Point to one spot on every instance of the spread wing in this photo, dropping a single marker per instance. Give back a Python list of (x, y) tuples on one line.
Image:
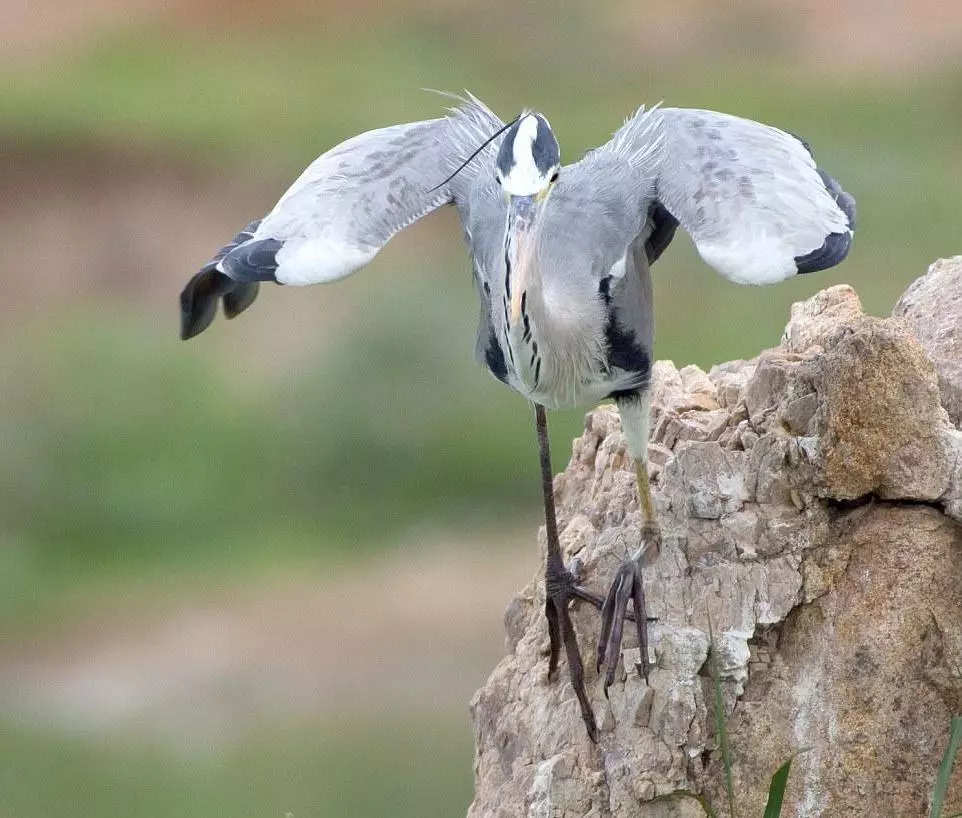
[(346, 206), (751, 196)]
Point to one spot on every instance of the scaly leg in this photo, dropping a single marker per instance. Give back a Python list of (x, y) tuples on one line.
[(560, 587), (627, 583)]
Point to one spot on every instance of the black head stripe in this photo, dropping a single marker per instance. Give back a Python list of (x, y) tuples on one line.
[(545, 150)]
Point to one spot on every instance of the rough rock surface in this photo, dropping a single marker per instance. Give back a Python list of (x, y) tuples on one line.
[(810, 502), (932, 307)]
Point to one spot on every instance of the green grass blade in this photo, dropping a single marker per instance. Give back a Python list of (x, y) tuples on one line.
[(720, 725), (702, 801), (945, 770), (776, 791)]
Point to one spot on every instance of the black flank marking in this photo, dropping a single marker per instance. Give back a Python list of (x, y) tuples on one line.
[(604, 289), (534, 347), (494, 358), (524, 301), (662, 232), (625, 395), (537, 373), (625, 352), (527, 330), (487, 288)]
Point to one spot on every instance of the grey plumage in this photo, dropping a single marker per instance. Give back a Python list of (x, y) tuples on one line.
[(561, 259), (750, 196)]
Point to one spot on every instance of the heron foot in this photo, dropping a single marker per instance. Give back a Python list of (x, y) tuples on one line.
[(560, 586), (627, 584)]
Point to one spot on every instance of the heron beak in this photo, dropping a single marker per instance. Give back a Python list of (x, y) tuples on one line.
[(523, 212)]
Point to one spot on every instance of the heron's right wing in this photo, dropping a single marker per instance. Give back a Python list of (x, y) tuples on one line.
[(750, 196)]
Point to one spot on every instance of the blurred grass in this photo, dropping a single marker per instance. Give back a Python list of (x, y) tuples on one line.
[(395, 766), (128, 454)]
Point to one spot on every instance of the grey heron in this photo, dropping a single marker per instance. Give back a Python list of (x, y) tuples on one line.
[(561, 258)]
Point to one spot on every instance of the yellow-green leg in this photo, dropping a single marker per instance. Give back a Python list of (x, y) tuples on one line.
[(628, 583)]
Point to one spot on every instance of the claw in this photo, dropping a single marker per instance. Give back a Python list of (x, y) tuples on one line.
[(613, 619), (607, 617), (554, 637), (627, 585), (638, 600), (560, 591)]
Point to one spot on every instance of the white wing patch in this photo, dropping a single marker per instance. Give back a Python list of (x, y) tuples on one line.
[(768, 261), (319, 261)]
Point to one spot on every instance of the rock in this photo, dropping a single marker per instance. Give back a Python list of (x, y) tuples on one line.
[(880, 422), (837, 607), (730, 379), (765, 387), (813, 321), (698, 389), (932, 307), (862, 676)]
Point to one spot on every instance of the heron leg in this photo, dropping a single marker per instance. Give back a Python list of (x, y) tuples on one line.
[(628, 582), (560, 587)]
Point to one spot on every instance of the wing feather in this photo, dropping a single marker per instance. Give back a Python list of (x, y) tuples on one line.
[(351, 200), (750, 195)]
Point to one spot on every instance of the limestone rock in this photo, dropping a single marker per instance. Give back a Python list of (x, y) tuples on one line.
[(932, 307), (880, 423), (836, 607), (815, 320)]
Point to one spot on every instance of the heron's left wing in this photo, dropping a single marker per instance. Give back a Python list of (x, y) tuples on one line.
[(346, 206), (751, 196), (353, 199)]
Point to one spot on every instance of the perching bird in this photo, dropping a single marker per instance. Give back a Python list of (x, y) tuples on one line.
[(561, 258)]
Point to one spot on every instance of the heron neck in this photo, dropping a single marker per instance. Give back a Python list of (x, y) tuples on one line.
[(522, 277)]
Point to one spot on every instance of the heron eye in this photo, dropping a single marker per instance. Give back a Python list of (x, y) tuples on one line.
[(554, 176)]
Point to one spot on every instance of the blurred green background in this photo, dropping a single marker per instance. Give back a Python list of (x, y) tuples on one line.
[(261, 573)]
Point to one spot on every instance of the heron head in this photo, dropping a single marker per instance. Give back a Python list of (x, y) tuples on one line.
[(529, 159)]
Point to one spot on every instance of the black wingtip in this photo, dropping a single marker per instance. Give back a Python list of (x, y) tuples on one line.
[(836, 246), (254, 260), (198, 302), (240, 298), (832, 252)]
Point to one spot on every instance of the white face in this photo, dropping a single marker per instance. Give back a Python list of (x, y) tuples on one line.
[(524, 178)]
